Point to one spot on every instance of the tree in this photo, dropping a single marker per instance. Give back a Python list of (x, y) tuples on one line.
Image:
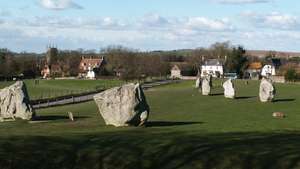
[(122, 59), (220, 49), (236, 61), (291, 75), (8, 65)]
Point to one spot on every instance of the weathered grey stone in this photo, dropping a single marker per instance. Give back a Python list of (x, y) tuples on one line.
[(71, 117), (229, 91), (15, 103), (123, 106), (206, 85), (266, 90), (198, 83)]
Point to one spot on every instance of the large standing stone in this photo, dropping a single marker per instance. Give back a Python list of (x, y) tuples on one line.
[(198, 83), (206, 85), (266, 90), (123, 106), (229, 91), (15, 103)]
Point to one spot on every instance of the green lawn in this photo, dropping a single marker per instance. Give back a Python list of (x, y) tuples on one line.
[(185, 130), (54, 88)]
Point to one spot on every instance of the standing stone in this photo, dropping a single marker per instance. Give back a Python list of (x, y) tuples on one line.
[(123, 106), (206, 85), (198, 83), (71, 117), (229, 91), (266, 90), (15, 103)]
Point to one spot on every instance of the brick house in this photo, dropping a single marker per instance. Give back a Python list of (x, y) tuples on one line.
[(88, 64)]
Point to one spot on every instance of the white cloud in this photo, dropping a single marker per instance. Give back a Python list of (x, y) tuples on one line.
[(58, 22), (153, 20), (206, 24), (59, 4), (273, 20), (152, 31)]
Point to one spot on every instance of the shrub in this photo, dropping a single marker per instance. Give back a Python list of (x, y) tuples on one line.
[(291, 75)]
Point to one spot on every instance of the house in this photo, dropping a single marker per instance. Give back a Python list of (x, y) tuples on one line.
[(53, 70), (271, 68), (46, 71), (119, 72), (90, 63), (254, 69), (212, 67), (87, 66), (176, 72), (181, 70)]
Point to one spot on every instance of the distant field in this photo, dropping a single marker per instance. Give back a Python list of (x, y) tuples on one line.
[(54, 88), (185, 130)]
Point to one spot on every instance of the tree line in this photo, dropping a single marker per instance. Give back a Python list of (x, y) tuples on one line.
[(129, 63)]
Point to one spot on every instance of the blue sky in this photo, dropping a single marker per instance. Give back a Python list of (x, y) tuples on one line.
[(29, 25)]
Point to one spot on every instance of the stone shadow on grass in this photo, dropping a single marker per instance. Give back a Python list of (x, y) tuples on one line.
[(217, 94), (169, 123), (284, 100), (54, 118), (245, 97)]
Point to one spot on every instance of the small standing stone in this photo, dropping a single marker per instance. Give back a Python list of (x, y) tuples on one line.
[(206, 85), (229, 91), (198, 83), (71, 117), (278, 115), (266, 90)]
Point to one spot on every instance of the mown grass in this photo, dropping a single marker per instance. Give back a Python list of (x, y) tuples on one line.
[(55, 88), (185, 130)]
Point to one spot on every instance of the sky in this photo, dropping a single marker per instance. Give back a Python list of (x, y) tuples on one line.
[(31, 25)]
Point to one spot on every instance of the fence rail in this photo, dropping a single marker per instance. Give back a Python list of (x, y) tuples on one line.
[(84, 97)]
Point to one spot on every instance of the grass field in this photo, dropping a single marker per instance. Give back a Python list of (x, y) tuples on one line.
[(55, 88), (185, 130)]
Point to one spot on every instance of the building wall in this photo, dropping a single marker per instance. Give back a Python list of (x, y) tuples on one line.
[(212, 70), (254, 73), (91, 63), (175, 74)]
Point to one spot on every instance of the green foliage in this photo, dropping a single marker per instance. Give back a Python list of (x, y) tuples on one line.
[(131, 64), (291, 75), (236, 61)]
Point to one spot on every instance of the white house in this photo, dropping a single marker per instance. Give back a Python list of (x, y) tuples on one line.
[(90, 74), (254, 70), (212, 67), (268, 69), (176, 72)]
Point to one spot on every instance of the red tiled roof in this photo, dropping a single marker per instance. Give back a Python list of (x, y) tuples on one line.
[(255, 65)]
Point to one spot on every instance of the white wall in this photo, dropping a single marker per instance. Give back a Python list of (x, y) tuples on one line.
[(175, 73), (211, 70)]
